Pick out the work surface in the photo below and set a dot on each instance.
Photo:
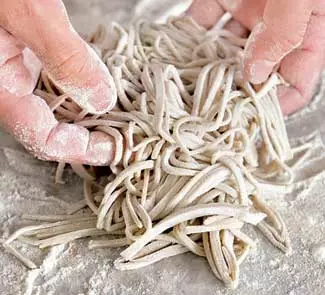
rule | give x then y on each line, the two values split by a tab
27	185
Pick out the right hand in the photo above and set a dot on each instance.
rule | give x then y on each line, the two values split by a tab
287	33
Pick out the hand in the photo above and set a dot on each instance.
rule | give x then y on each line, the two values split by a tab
283	32
35	34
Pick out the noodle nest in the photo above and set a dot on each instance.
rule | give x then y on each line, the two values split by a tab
196	150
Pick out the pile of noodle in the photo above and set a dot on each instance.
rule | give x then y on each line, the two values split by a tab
196	146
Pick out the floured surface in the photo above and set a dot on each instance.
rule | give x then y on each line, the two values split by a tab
26	186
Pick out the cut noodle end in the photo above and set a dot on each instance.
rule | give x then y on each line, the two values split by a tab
194	146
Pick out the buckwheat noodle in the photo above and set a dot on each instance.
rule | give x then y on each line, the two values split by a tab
197	148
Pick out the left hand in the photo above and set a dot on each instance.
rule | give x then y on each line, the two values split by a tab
35	34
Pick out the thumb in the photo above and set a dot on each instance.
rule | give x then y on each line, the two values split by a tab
280	32
73	66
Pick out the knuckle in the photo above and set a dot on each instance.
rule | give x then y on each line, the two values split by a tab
69	65
292	41
279	46
292	36
26	9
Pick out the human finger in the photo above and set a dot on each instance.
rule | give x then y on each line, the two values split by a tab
44	27
9	46
281	31
302	68
32	123
246	12
205	12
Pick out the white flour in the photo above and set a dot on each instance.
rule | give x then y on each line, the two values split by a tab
26	186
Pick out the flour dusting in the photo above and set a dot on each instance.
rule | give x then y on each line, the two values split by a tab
318	252
27	186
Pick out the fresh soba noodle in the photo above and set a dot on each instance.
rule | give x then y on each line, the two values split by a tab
196	149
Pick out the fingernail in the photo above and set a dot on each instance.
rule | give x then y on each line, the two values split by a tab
33	64
259	71
97	99
250	44
94	90
104	94
230	5
102	98
100	149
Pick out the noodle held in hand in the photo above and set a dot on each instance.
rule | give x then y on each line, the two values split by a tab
196	149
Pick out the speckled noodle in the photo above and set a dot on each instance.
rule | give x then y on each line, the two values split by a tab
197	148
